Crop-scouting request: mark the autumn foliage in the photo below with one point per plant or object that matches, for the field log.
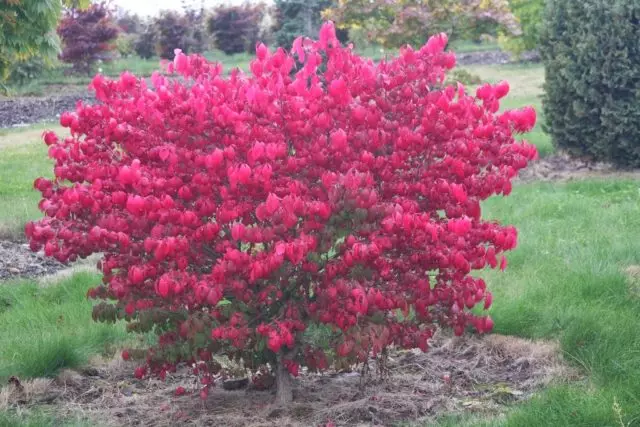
(321, 190)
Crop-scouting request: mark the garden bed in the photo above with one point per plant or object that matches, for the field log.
(18, 261)
(478, 374)
(23, 111)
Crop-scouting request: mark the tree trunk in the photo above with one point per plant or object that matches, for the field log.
(284, 389)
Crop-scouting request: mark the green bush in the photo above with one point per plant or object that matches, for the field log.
(24, 71)
(592, 90)
(145, 44)
(125, 44)
(529, 14)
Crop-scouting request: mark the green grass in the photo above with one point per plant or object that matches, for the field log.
(566, 282)
(45, 329)
(22, 159)
(468, 46)
(39, 419)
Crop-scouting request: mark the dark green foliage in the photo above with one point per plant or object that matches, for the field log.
(236, 29)
(591, 52)
(298, 18)
(529, 14)
(23, 72)
(145, 44)
(27, 28)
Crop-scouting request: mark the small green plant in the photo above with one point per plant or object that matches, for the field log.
(465, 77)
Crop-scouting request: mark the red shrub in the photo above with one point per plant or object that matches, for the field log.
(235, 213)
(87, 36)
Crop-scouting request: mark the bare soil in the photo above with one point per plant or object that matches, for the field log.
(562, 167)
(473, 374)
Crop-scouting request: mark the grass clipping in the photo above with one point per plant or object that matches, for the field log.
(472, 374)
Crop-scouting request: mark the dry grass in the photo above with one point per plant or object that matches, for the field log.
(481, 374)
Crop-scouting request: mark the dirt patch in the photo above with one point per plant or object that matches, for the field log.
(478, 374)
(562, 167)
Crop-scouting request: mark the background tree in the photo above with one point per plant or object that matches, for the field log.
(179, 30)
(87, 36)
(591, 97)
(173, 33)
(145, 43)
(297, 18)
(396, 23)
(27, 29)
(529, 14)
(129, 23)
(195, 19)
(236, 29)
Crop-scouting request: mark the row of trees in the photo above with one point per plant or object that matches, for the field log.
(97, 33)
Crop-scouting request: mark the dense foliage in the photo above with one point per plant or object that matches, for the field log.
(592, 88)
(27, 29)
(395, 23)
(236, 29)
(128, 23)
(321, 191)
(297, 17)
(179, 31)
(529, 14)
(145, 43)
(87, 36)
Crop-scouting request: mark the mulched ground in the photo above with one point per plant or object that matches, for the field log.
(23, 111)
(18, 261)
(472, 374)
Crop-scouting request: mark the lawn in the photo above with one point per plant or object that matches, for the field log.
(23, 157)
(47, 328)
(566, 282)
